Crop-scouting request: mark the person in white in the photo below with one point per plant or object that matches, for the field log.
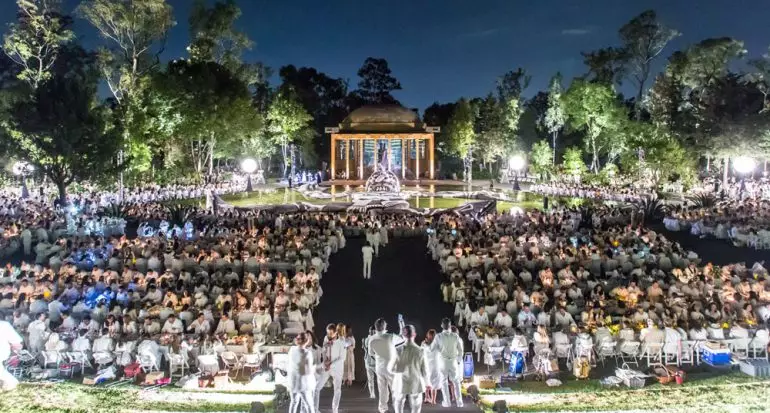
(37, 331)
(373, 238)
(301, 372)
(172, 325)
(371, 380)
(411, 374)
(382, 345)
(450, 348)
(367, 252)
(10, 341)
(333, 359)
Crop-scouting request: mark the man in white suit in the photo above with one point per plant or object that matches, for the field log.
(382, 345)
(411, 374)
(450, 349)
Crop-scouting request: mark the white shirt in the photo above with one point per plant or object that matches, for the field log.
(449, 345)
(383, 347)
(173, 327)
(503, 320)
(301, 370)
(8, 338)
(411, 370)
(334, 352)
(368, 252)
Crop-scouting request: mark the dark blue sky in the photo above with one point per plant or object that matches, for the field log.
(441, 50)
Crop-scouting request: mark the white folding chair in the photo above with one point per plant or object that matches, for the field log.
(606, 349)
(687, 353)
(629, 352)
(740, 347)
(252, 361)
(79, 358)
(148, 362)
(177, 362)
(652, 351)
(51, 357)
(231, 361)
(670, 351)
(758, 345)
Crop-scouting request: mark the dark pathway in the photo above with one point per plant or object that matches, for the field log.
(717, 251)
(404, 280)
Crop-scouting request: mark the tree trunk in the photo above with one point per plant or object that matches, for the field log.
(293, 160)
(708, 163)
(285, 156)
(553, 160)
(725, 172)
(211, 156)
(62, 187)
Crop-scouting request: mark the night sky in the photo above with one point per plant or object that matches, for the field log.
(441, 50)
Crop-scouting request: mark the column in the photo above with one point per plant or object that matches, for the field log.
(347, 158)
(404, 158)
(430, 154)
(417, 158)
(360, 158)
(390, 152)
(334, 157)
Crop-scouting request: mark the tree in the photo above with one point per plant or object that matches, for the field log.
(462, 137)
(509, 90)
(490, 129)
(644, 38)
(573, 164)
(593, 107)
(760, 78)
(607, 66)
(377, 83)
(60, 129)
(289, 122)
(554, 118)
(131, 28)
(214, 106)
(541, 158)
(35, 40)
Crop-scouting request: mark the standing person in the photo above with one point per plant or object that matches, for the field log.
(382, 345)
(431, 356)
(411, 374)
(373, 236)
(301, 374)
(450, 352)
(371, 376)
(350, 357)
(10, 341)
(367, 252)
(333, 361)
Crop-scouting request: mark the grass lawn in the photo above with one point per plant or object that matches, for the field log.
(71, 398)
(726, 393)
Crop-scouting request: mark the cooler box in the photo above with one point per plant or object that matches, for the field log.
(716, 357)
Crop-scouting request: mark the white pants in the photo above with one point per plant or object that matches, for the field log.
(376, 246)
(371, 381)
(302, 402)
(367, 268)
(448, 373)
(336, 381)
(7, 381)
(415, 402)
(384, 383)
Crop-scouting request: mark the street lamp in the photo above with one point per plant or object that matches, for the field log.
(744, 165)
(248, 165)
(22, 169)
(516, 164)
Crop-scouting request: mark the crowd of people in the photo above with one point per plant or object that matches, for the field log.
(618, 193)
(550, 281)
(743, 222)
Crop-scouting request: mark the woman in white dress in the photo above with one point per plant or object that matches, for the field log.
(302, 378)
(349, 370)
(431, 355)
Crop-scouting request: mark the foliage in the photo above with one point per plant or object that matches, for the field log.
(704, 200)
(214, 109)
(593, 107)
(288, 124)
(573, 164)
(35, 40)
(131, 28)
(606, 66)
(650, 209)
(60, 129)
(489, 129)
(554, 118)
(179, 214)
(115, 211)
(644, 38)
(377, 82)
(541, 158)
(509, 90)
(462, 136)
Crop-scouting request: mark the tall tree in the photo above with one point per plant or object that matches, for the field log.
(61, 129)
(606, 65)
(760, 77)
(554, 118)
(593, 107)
(134, 31)
(289, 123)
(462, 136)
(509, 90)
(377, 82)
(541, 158)
(490, 130)
(34, 41)
(438, 114)
(644, 38)
(214, 105)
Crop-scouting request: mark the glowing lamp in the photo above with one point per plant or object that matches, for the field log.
(516, 162)
(249, 165)
(744, 164)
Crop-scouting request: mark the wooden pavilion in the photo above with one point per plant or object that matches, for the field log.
(387, 136)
